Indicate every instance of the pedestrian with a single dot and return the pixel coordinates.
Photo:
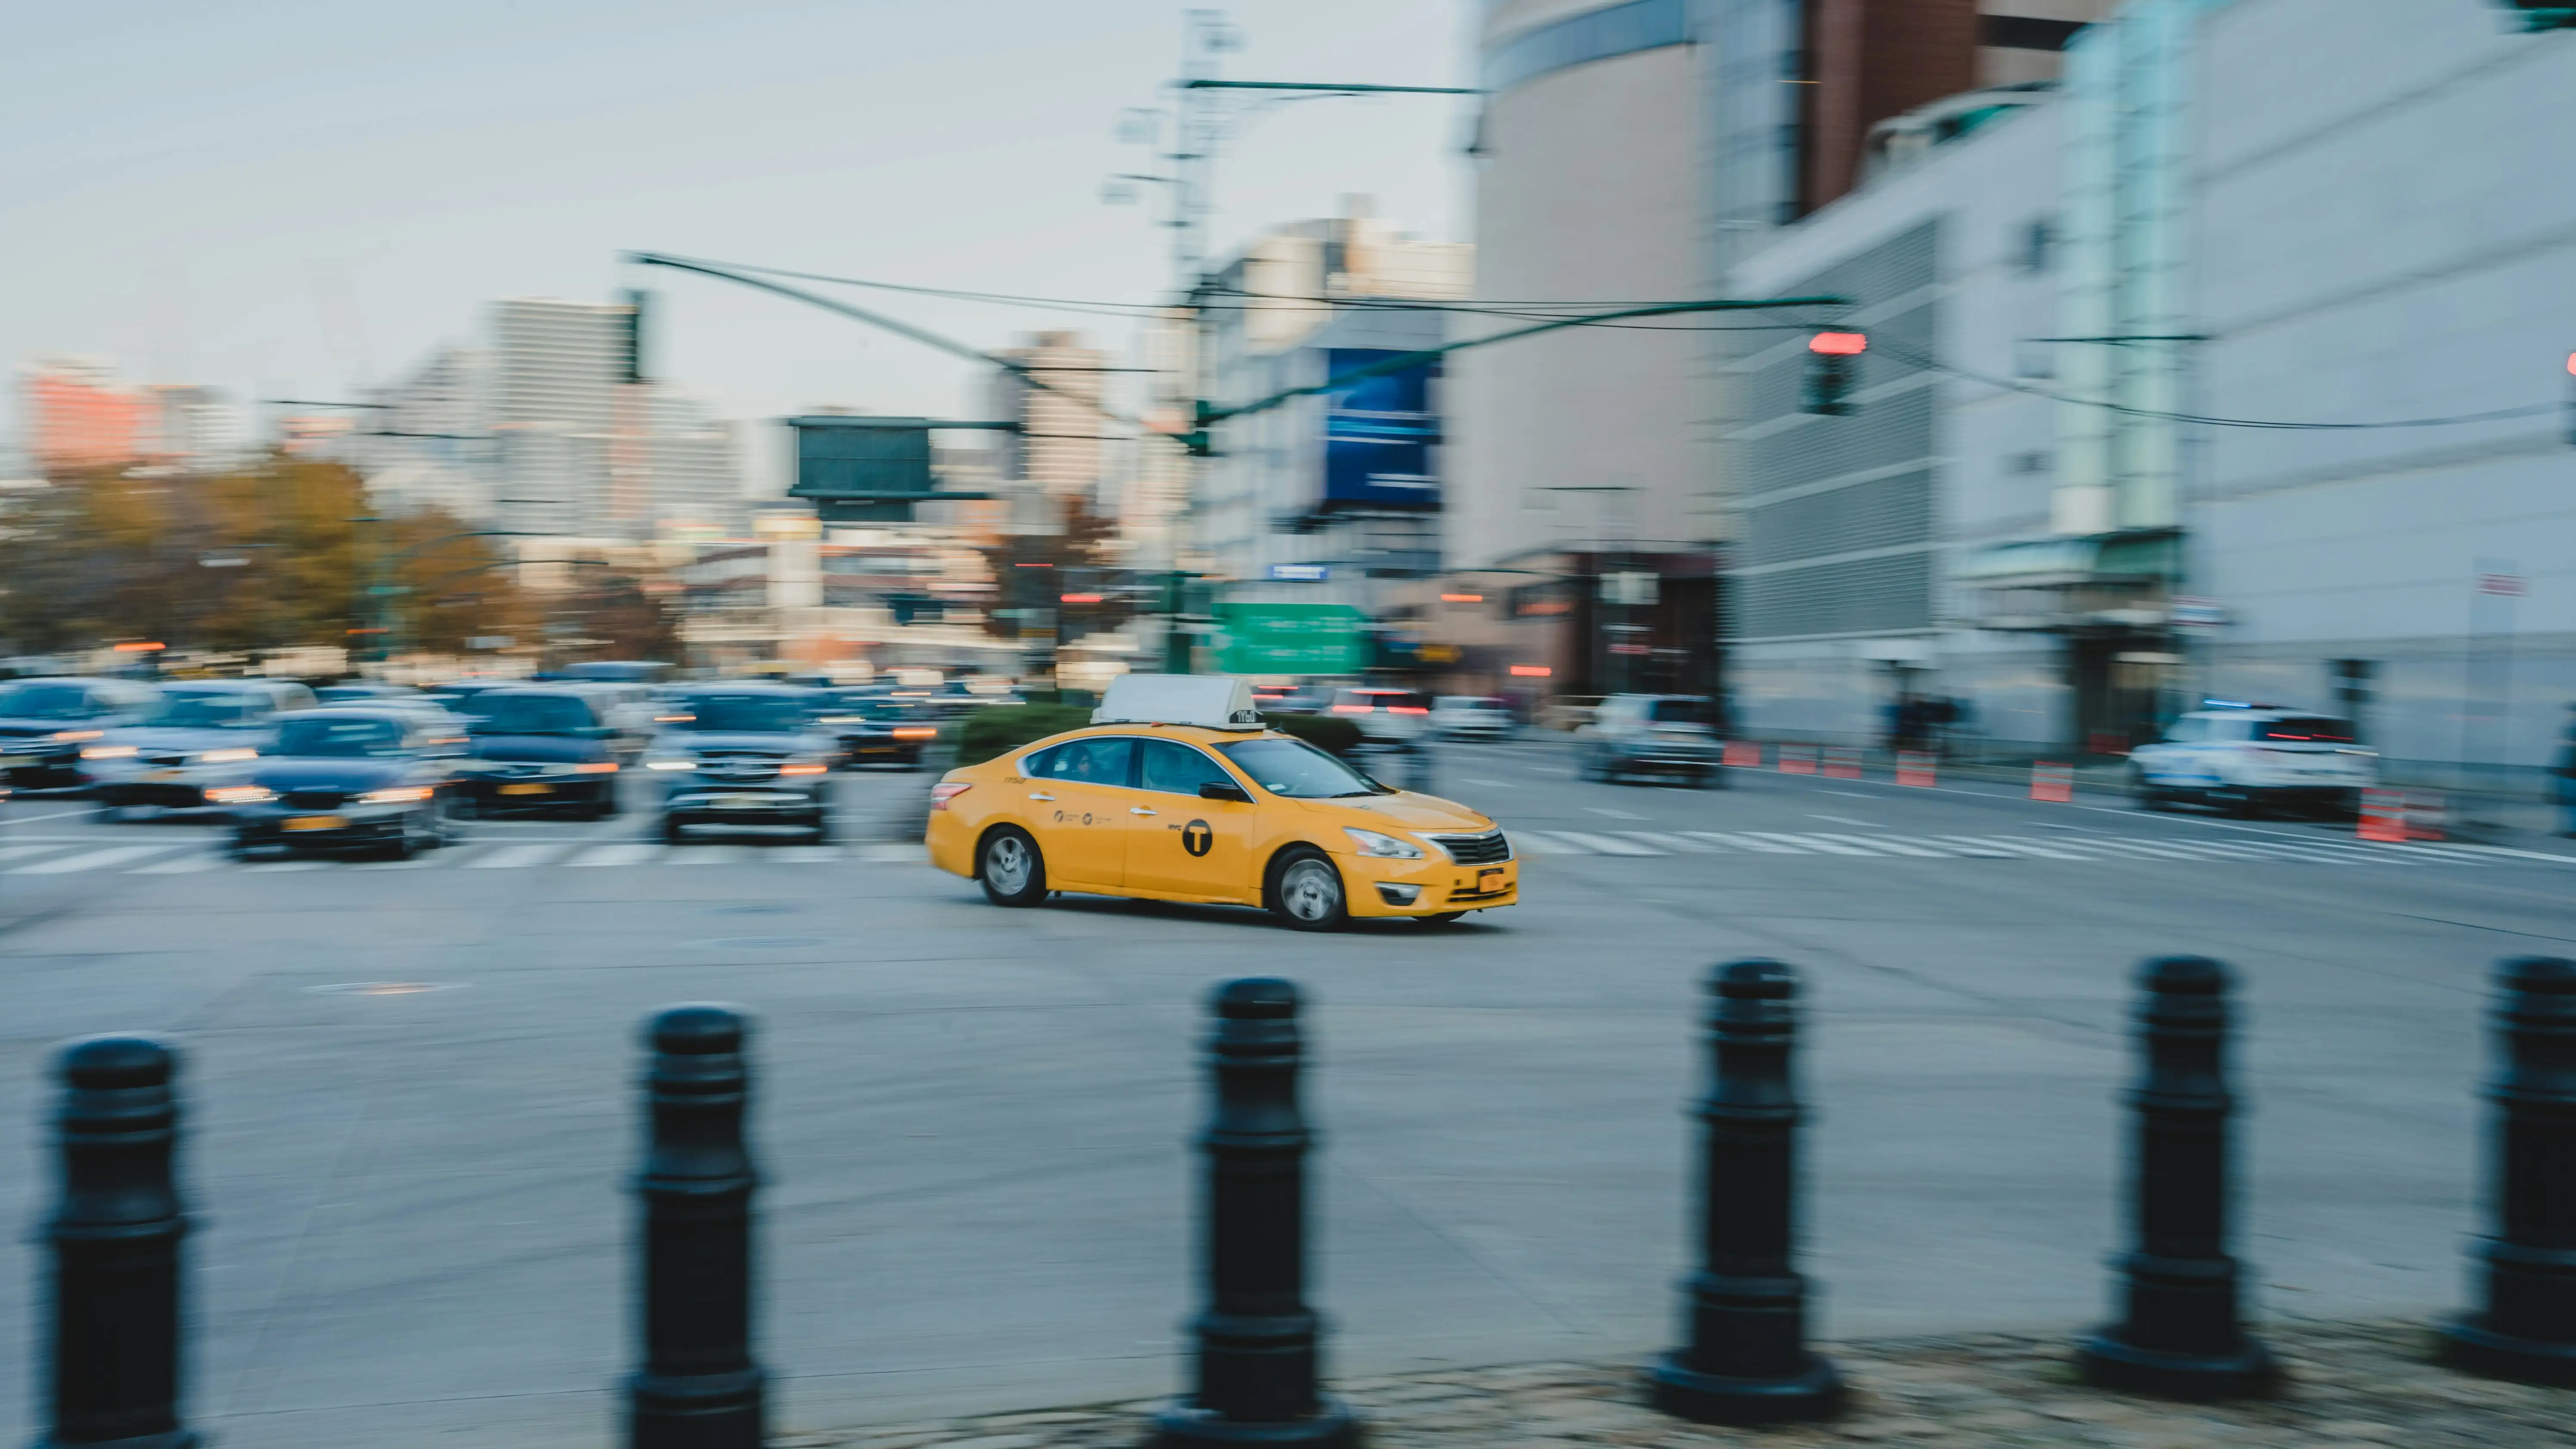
(2565, 769)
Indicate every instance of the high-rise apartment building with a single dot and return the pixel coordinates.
(1057, 451)
(80, 414)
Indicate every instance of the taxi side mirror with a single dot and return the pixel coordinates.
(1220, 791)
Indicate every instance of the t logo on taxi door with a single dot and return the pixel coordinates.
(1197, 838)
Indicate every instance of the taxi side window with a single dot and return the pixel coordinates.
(1100, 760)
(1175, 769)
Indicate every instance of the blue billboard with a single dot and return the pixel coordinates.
(1379, 433)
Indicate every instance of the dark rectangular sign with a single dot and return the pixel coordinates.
(1379, 433)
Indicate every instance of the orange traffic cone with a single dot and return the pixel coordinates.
(2052, 782)
(1914, 768)
(2383, 816)
(1797, 759)
(1744, 754)
(1842, 764)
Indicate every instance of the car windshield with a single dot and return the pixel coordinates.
(2306, 729)
(743, 714)
(531, 714)
(1674, 711)
(202, 711)
(45, 701)
(1296, 770)
(339, 739)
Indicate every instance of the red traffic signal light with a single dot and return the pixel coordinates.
(1839, 344)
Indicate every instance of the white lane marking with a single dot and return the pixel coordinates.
(274, 867)
(2137, 848)
(1888, 843)
(1963, 845)
(806, 854)
(510, 856)
(95, 859)
(1614, 814)
(1540, 842)
(625, 853)
(708, 854)
(1812, 842)
(2463, 846)
(56, 815)
(898, 851)
(1487, 784)
(2030, 848)
(21, 852)
(1844, 820)
(1748, 842)
(184, 865)
(1605, 844)
(1673, 841)
(425, 860)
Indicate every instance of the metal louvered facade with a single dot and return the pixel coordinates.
(1835, 519)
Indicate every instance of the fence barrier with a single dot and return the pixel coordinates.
(2525, 1324)
(1743, 755)
(1842, 763)
(1914, 767)
(1797, 759)
(1746, 1360)
(1257, 1380)
(2179, 1333)
(2383, 816)
(2052, 782)
(115, 1287)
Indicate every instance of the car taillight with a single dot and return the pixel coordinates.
(1354, 709)
(1406, 709)
(914, 732)
(940, 795)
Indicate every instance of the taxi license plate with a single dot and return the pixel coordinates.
(317, 822)
(1488, 881)
(527, 789)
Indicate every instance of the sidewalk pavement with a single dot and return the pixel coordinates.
(2348, 1386)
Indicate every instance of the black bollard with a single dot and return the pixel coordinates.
(2178, 1333)
(699, 1388)
(2527, 1328)
(1257, 1370)
(1745, 1310)
(115, 1238)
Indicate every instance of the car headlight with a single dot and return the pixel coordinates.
(671, 762)
(1386, 846)
(241, 795)
(804, 767)
(67, 736)
(107, 752)
(596, 767)
(228, 757)
(399, 795)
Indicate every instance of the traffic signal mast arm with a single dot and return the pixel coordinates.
(1207, 413)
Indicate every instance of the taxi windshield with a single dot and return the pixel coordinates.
(339, 739)
(1296, 770)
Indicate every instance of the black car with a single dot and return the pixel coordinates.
(349, 779)
(46, 723)
(536, 750)
(875, 728)
(744, 755)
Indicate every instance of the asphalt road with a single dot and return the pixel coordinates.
(973, 1121)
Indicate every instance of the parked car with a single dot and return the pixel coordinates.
(45, 723)
(204, 735)
(1649, 734)
(743, 755)
(878, 729)
(541, 749)
(2248, 759)
(348, 779)
(1472, 717)
(1569, 711)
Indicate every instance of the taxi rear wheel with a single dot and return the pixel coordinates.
(1307, 891)
(1012, 871)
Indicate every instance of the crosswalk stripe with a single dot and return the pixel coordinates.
(21, 852)
(291, 864)
(509, 856)
(2042, 852)
(708, 854)
(1813, 842)
(2135, 848)
(625, 853)
(1604, 844)
(805, 854)
(1677, 843)
(95, 860)
(1886, 843)
(184, 865)
(1747, 842)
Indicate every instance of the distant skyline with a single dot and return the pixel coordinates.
(286, 198)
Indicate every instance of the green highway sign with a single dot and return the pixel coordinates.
(1291, 639)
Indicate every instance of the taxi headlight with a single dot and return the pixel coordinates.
(241, 795)
(671, 762)
(399, 795)
(107, 752)
(228, 757)
(1385, 846)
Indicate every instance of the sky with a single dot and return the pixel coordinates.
(295, 199)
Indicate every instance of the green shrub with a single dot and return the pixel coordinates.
(1326, 732)
(998, 729)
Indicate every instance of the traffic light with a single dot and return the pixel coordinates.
(2544, 14)
(1831, 365)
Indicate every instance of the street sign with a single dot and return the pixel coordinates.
(1301, 573)
(1291, 639)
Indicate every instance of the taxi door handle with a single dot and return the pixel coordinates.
(1037, 795)
(1141, 810)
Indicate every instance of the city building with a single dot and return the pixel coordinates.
(79, 414)
(2236, 370)
(1322, 498)
(846, 600)
(1058, 450)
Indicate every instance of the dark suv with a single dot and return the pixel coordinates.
(538, 750)
(743, 755)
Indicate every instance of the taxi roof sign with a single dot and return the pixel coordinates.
(1211, 701)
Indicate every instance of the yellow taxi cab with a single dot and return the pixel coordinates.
(1176, 792)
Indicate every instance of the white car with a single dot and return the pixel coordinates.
(2246, 759)
(1396, 718)
(205, 734)
(1472, 717)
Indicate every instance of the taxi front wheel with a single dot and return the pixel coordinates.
(1307, 891)
(1012, 871)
